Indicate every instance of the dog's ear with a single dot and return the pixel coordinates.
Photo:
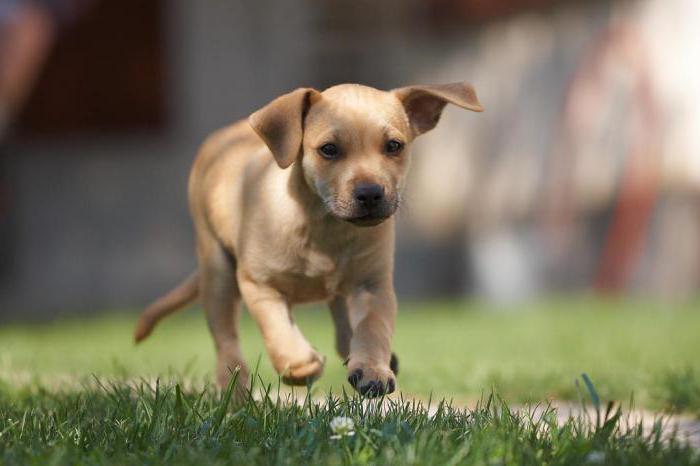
(424, 104)
(281, 124)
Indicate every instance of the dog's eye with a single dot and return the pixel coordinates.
(329, 151)
(393, 146)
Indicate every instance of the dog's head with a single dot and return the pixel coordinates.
(353, 141)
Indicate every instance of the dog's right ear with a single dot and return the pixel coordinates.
(281, 124)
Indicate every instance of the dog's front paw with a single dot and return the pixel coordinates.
(303, 372)
(371, 380)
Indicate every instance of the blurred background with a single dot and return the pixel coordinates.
(582, 175)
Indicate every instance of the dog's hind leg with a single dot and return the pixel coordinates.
(221, 300)
(343, 330)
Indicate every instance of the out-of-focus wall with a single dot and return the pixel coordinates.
(102, 220)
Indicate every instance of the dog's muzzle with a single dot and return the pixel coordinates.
(371, 205)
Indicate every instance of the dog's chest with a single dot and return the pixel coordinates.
(315, 275)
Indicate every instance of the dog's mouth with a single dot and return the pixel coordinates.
(359, 215)
(368, 220)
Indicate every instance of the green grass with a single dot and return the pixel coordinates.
(77, 391)
(458, 351)
(139, 424)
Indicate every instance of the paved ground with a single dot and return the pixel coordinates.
(687, 428)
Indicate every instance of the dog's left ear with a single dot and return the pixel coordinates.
(281, 124)
(424, 104)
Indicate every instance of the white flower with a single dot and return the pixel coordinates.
(595, 457)
(342, 427)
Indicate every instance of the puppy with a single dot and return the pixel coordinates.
(295, 205)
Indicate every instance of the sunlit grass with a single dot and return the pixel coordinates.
(137, 423)
(454, 350)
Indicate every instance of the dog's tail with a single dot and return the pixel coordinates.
(176, 299)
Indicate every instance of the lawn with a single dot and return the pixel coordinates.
(126, 424)
(52, 408)
(458, 351)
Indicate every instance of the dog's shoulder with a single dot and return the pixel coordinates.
(236, 135)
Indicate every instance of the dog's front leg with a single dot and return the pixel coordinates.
(372, 317)
(291, 354)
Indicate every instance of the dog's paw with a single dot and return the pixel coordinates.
(371, 380)
(303, 372)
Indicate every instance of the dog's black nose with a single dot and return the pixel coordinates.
(368, 195)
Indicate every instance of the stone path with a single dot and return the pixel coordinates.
(686, 428)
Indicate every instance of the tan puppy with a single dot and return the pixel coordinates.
(295, 205)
